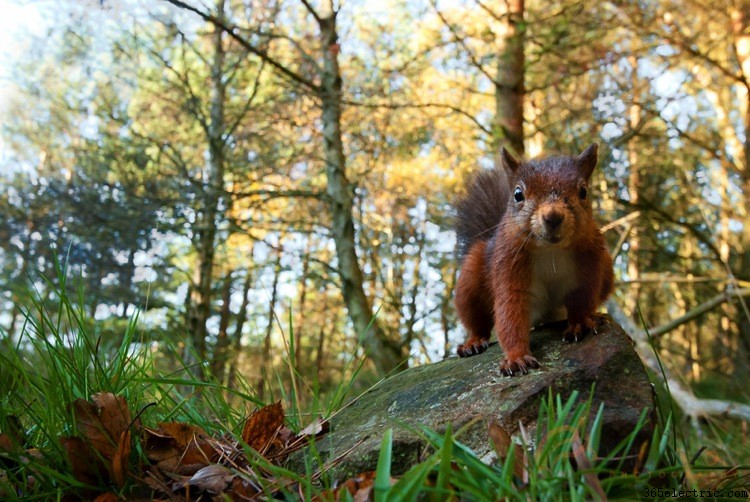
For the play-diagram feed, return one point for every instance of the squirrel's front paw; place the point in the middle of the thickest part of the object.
(512, 367)
(576, 332)
(469, 349)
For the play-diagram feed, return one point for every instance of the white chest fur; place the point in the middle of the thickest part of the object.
(553, 276)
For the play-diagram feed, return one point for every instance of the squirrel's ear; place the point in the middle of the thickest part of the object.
(509, 163)
(587, 160)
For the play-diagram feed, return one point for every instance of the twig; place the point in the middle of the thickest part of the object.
(698, 311)
(620, 221)
(230, 30)
(692, 406)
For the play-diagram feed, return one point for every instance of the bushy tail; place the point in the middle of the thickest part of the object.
(481, 209)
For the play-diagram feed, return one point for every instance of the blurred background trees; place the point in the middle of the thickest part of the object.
(259, 176)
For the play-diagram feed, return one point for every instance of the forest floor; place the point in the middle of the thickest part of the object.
(79, 423)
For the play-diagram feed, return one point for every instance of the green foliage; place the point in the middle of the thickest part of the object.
(550, 462)
(58, 360)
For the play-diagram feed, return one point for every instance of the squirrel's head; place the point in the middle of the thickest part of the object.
(549, 198)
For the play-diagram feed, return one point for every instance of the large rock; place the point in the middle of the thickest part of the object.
(456, 391)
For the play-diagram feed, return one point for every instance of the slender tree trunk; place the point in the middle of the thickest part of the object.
(385, 353)
(509, 83)
(445, 309)
(634, 191)
(242, 314)
(221, 352)
(320, 353)
(206, 227)
(300, 327)
(741, 32)
(266, 355)
(411, 306)
(239, 325)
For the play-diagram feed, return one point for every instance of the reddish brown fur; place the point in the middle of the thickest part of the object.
(494, 288)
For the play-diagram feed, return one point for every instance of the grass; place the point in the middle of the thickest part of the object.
(59, 358)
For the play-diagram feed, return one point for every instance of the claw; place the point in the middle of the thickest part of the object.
(521, 365)
(472, 349)
(578, 331)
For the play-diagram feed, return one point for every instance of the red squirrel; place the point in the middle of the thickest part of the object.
(530, 251)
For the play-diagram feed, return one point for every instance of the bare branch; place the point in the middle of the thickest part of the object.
(261, 53)
(396, 106)
(698, 311)
(312, 11)
(462, 41)
(683, 397)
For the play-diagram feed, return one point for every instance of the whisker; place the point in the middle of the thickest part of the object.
(528, 236)
(495, 227)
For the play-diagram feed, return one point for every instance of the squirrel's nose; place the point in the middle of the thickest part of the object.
(553, 219)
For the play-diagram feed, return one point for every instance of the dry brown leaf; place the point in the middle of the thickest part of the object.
(214, 478)
(503, 442)
(87, 467)
(7, 444)
(107, 497)
(178, 447)
(183, 434)
(120, 460)
(262, 426)
(583, 463)
(113, 413)
(359, 487)
(315, 429)
(13, 437)
(91, 429)
(105, 438)
(242, 490)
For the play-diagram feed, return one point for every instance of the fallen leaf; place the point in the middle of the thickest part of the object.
(242, 489)
(14, 432)
(315, 429)
(262, 426)
(120, 460)
(183, 434)
(113, 413)
(87, 467)
(91, 429)
(107, 497)
(178, 447)
(7, 444)
(503, 442)
(214, 478)
(360, 487)
(584, 464)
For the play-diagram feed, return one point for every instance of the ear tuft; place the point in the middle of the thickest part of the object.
(509, 163)
(587, 160)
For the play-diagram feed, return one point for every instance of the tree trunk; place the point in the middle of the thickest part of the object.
(219, 361)
(634, 191)
(266, 354)
(385, 353)
(206, 224)
(446, 308)
(320, 353)
(298, 329)
(509, 83)
(741, 23)
(242, 314)
(239, 325)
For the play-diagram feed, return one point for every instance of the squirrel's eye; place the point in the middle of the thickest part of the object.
(518, 195)
(583, 192)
